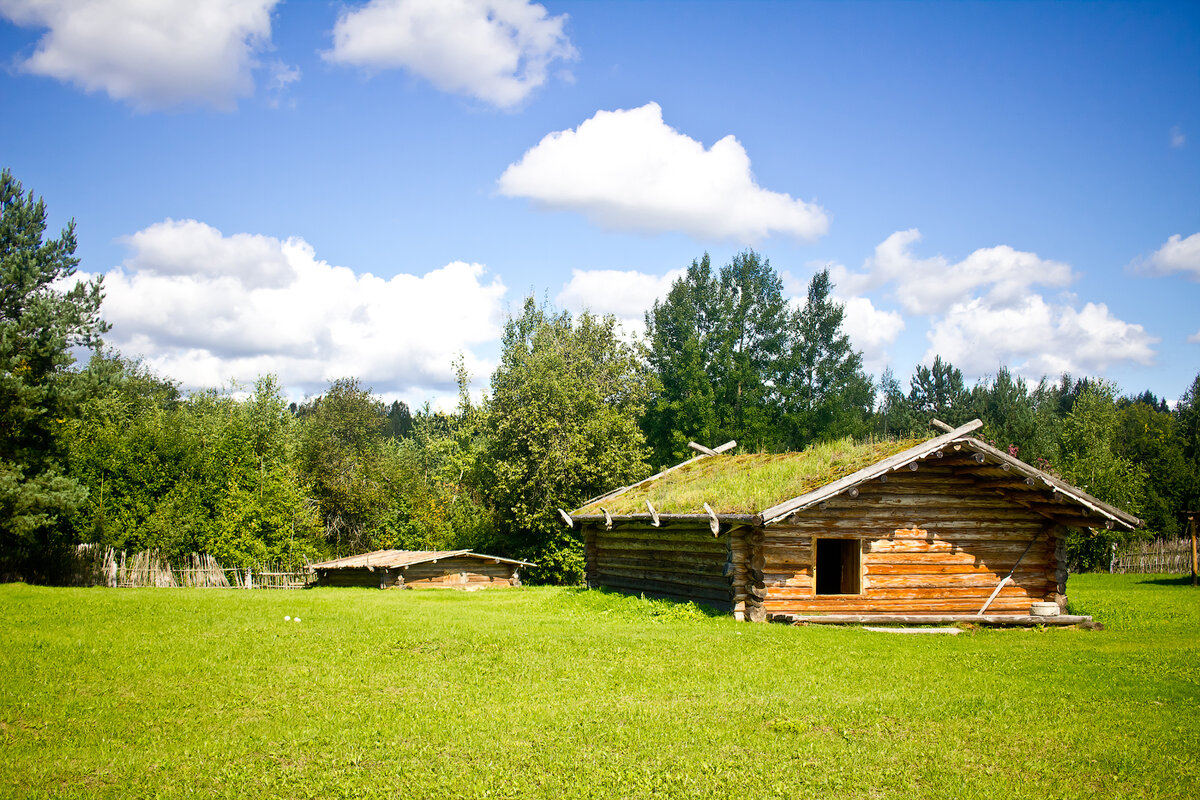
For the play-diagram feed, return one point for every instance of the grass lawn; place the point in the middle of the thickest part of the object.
(564, 693)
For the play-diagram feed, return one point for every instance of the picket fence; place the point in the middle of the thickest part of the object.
(104, 566)
(1157, 556)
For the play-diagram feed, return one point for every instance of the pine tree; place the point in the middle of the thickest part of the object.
(41, 318)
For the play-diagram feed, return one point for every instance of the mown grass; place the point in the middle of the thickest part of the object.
(566, 693)
(750, 482)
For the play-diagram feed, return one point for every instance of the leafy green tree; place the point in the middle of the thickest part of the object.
(1147, 435)
(209, 474)
(827, 393)
(399, 420)
(751, 353)
(40, 322)
(683, 333)
(733, 361)
(342, 457)
(561, 426)
(1090, 461)
(1187, 418)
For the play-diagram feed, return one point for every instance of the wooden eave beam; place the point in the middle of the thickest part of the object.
(1099, 507)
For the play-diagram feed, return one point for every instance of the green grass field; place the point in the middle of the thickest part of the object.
(565, 693)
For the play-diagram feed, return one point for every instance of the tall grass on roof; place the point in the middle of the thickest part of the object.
(749, 483)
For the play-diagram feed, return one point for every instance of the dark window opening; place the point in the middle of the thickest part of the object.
(839, 566)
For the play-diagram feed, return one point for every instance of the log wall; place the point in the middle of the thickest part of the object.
(459, 572)
(677, 562)
(932, 543)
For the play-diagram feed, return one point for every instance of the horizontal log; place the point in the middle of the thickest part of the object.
(937, 593)
(654, 543)
(953, 569)
(661, 535)
(953, 544)
(1020, 620)
(663, 588)
(947, 558)
(677, 577)
(982, 580)
(773, 606)
(678, 558)
(922, 518)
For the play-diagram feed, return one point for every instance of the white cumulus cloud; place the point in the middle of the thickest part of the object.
(629, 170)
(931, 285)
(626, 294)
(1176, 255)
(1036, 338)
(987, 310)
(150, 54)
(495, 50)
(205, 308)
(872, 330)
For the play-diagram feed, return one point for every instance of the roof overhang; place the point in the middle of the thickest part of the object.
(989, 469)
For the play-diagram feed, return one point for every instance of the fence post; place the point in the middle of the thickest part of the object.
(1192, 525)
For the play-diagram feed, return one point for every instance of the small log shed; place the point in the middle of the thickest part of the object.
(414, 569)
(944, 530)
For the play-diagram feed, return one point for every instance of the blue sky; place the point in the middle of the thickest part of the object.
(320, 189)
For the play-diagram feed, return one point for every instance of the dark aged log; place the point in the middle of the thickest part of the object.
(931, 619)
(674, 591)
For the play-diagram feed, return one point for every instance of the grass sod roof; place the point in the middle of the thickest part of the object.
(748, 483)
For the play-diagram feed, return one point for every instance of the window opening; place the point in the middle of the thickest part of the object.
(839, 566)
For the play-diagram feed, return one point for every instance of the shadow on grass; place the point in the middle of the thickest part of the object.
(1175, 580)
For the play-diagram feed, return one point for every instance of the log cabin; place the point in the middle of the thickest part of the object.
(943, 530)
(416, 569)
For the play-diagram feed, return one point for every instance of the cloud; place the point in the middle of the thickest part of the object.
(205, 308)
(872, 330)
(626, 294)
(149, 54)
(281, 77)
(1178, 139)
(628, 170)
(986, 311)
(931, 285)
(1195, 338)
(495, 50)
(1177, 255)
(1036, 338)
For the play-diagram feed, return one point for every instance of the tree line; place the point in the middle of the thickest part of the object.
(108, 452)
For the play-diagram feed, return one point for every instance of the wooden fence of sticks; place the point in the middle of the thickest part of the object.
(1159, 555)
(103, 566)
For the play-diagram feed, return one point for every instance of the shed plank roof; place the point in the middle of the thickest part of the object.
(391, 559)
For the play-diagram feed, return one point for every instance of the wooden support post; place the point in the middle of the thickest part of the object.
(714, 524)
(1192, 521)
